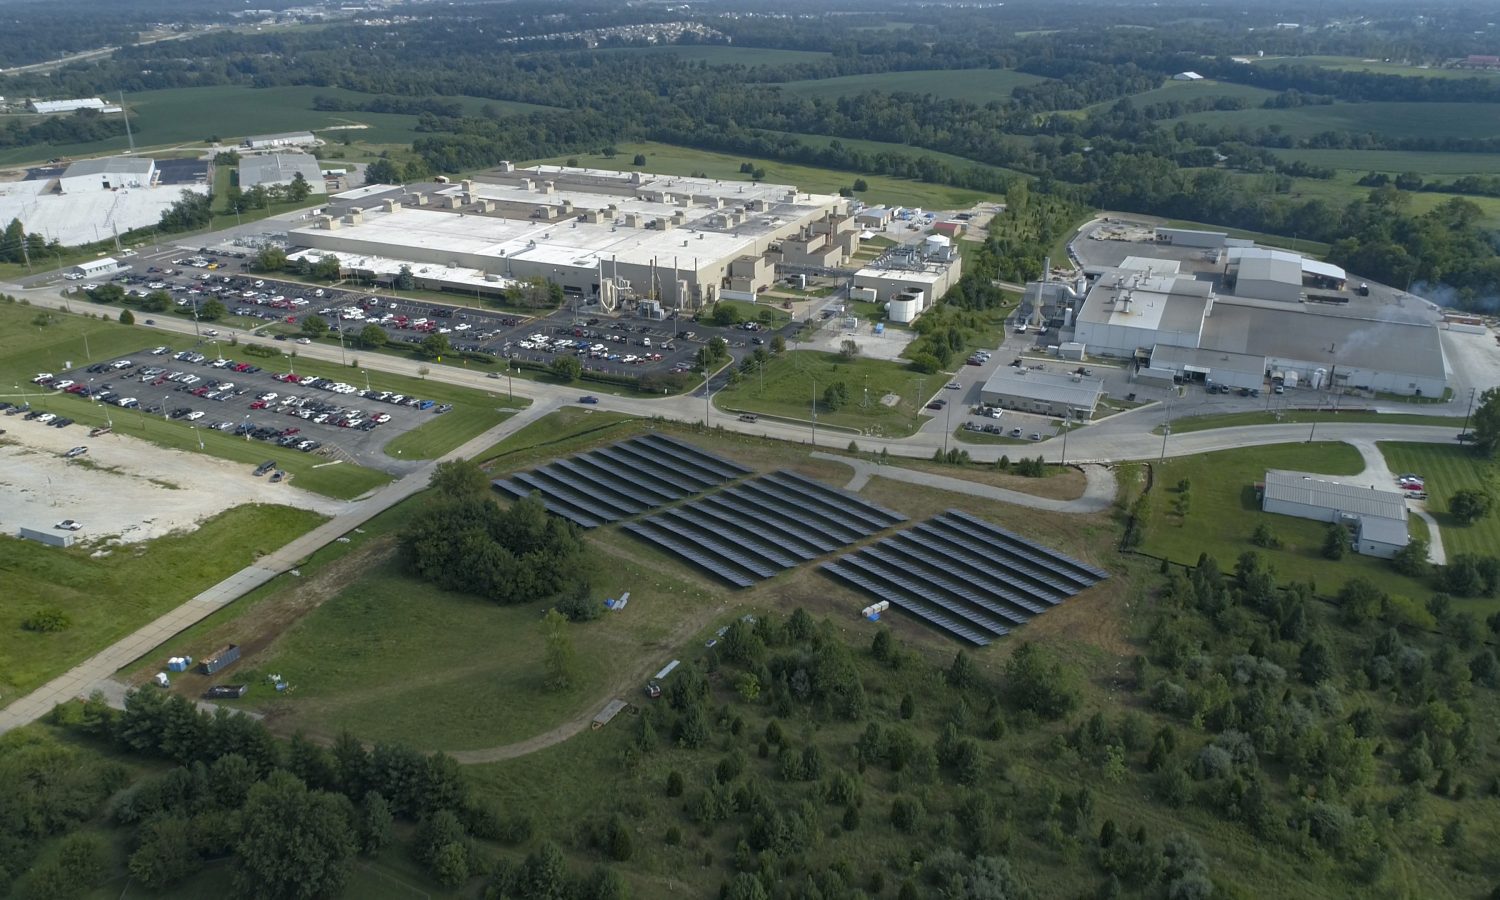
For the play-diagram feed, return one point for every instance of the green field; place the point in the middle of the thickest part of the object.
(973, 85)
(1192, 90)
(1223, 513)
(392, 658)
(665, 159)
(727, 55)
(792, 378)
(1393, 119)
(107, 597)
(192, 116)
(1373, 66)
(1430, 165)
(1449, 468)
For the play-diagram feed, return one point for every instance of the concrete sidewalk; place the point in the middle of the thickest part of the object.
(83, 678)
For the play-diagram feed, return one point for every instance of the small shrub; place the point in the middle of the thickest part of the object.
(47, 621)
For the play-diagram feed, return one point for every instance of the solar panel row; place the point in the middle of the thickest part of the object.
(965, 575)
(623, 480)
(764, 525)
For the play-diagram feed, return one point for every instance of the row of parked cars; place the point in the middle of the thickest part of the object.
(36, 415)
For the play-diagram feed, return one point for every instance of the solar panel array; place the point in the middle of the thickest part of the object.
(965, 576)
(762, 526)
(622, 480)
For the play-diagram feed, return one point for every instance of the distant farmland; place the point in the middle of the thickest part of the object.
(1430, 165)
(1393, 119)
(974, 85)
(1192, 90)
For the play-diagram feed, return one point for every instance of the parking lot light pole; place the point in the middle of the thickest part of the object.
(1067, 426)
(1166, 429)
(815, 412)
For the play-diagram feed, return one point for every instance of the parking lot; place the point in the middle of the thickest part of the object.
(276, 405)
(603, 343)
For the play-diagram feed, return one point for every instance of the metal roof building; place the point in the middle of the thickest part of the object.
(109, 173)
(1047, 393)
(1376, 517)
(283, 139)
(47, 107)
(273, 169)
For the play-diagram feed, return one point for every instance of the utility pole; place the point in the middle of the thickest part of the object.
(126, 114)
(815, 412)
(1468, 412)
(1166, 430)
(1067, 426)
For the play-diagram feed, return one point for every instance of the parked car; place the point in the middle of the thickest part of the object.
(589, 399)
(68, 525)
(76, 452)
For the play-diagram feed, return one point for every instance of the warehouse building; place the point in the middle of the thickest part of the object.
(614, 237)
(1045, 393)
(280, 170)
(51, 107)
(1376, 518)
(108, 174)
(284, 139)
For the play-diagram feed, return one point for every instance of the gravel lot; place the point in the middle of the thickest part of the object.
(128, 490)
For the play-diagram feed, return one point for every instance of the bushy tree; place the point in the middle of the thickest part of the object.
(1037, 682)
(314, 326)
(371, 337)
(1469, 505)
(566, 369)
(295, 844)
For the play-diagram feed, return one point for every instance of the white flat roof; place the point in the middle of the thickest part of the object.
(925, 276)
(570, 243)
(383, 265)
(1048, 387)
(1144, 300)
(83, 218)
(1316, 490)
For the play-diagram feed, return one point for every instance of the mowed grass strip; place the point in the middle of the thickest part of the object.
(108, 596)
(1296, 416)
(1223, 514)
(1447, 469)
(394, 658)
(1396, 119)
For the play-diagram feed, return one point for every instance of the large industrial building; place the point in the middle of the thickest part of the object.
(107, 174)
(1239, 315)
(1376, 519)
(618, 237)
(280, 170)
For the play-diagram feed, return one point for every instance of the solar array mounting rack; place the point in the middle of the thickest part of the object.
(762, 526)
(622, 480)
(968, 577)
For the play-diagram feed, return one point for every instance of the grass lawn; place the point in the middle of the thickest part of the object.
(1224, 513)
(1392, 118)
(108, 597)
(1342, 189)
(393, 658)
(177, 116)
(768, 313)
(555, 434)
(1450, 468)
(666, 159)
(1231, 420)
(957, 162)
(787, 387)
(974, 85)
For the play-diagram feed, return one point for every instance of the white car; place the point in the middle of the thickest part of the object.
(64, 384)
(210, 332)
(68, 525)
(303, 341)
(126, 402)
(193, 416)
(44, 418)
